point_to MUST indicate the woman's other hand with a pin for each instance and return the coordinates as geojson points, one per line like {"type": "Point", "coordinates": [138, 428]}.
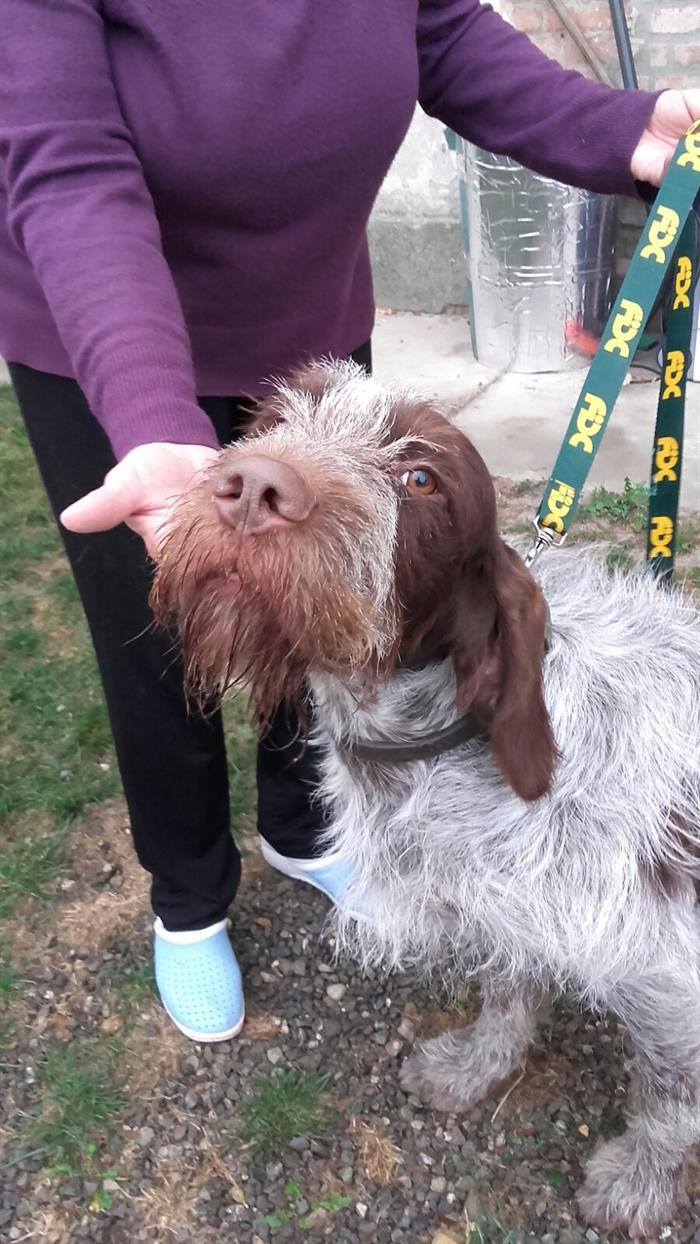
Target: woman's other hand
{"type": "Point", "coordinates": [140, 491]}
{"type": "Point", "coordinates": [674, 112]}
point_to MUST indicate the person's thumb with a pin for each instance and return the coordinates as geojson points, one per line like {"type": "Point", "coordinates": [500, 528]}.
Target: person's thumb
{"type": "Point", "coordinates": [113, 503]}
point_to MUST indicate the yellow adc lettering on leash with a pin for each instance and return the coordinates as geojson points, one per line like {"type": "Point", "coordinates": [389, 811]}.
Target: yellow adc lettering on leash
{"type": "Point", "coordinates": [673, 375]}
{"type": "Point", "coordinates": [559, 501]}
{"type": "Point", "coordinates": [660, 536]}
{"type": "Point", "coordinates": [662, 234]}
{"type": "Point", "coordinates": [666, 459]}
{"type": "Point", "coordinates": [691, 155]}
{"type": "Point", "coordinates": [667, 246]}
{"type": "Point", "coordinates": [626, 325]}
{"type": "Point", "coordinates": [684, 280]}
{"type": "Point", "coordinates": [589, 420]}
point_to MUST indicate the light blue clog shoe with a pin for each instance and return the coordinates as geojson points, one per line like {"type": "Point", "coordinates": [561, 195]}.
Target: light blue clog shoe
{"type": "Point", "coordinates": [329, 873]}
{"type": "Point", "coordinates": [199, 981]}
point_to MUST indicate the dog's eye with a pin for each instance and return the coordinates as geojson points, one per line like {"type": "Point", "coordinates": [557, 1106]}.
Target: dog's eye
{"type": "Point", "coordinates": [419, 482]}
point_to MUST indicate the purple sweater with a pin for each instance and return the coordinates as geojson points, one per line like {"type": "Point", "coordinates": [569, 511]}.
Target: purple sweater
{"type": "Point", "coordinates": [188, 183]}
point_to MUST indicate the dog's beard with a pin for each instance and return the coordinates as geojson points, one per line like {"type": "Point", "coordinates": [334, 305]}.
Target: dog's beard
{"type": "Point", "coordinates": [265, 611]}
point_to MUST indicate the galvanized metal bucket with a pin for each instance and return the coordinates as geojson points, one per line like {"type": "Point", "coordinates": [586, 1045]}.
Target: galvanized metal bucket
{"type": "Point", "coordinates": [540, 264]}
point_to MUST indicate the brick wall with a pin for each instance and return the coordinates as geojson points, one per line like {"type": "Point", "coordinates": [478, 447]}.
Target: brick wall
{"type": "Point", "coordinates": [665, 41]}
{"type": "Point", "coordinates": [662, 58]}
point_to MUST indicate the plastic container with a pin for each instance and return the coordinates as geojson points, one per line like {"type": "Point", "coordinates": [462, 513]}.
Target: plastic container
{"type": "Point", "coordinates": [540, 264]}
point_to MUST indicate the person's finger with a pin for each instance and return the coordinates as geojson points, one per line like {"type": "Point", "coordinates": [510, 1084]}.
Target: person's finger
{"type": "Point", "coordinates": [101, 509]}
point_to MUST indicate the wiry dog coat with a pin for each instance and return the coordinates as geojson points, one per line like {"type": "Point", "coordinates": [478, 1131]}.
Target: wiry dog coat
{"type": "Point", "coordinates": [349, 544]}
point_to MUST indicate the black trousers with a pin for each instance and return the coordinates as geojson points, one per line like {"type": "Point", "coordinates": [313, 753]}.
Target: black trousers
{"type": "Point", "coordinates": [172, 761]}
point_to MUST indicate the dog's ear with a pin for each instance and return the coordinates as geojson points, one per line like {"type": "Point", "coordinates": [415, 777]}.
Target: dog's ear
{"type": "Point", "coordinates": [498, 650]}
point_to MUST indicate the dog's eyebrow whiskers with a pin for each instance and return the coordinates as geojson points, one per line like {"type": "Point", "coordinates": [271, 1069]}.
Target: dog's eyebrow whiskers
{"type": "Point", "coordinates": [408, 444]}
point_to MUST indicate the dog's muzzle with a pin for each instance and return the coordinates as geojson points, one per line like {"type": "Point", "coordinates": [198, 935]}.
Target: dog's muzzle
{"type": "Point", "coordinates": [260, 493]}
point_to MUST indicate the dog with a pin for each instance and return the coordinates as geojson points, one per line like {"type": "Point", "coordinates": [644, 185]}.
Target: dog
{"type": "Point", "coordinates": [520, 797]}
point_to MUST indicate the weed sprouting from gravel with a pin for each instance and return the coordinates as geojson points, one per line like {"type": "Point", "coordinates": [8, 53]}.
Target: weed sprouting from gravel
{"type": "Point", "coordinates": [286, 1105]}
{"type": "Point", "coordinates": [80, 1097]}
{"type": "Point", "coordinates": [628, 506]}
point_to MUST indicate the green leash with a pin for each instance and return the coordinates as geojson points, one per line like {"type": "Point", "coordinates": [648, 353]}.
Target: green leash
{"type": "Point", "coordinates": [667, 455]}
{"type": "Point", "coordinates": [669, 231]}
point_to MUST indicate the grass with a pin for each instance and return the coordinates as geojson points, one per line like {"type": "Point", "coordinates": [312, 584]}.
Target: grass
{"type": "Point", "coordinates": [12, 984]}
{"type": "Point", "coordinates": [56, 755]}
{"type": "Point", "coordinates": [241, 747]}
{"type": "Point", "coordinates": [26, 529]}
{"type": "Point", "coordinates": [53, 726]}
{"type": "Point", "coordinates": [620, 558]}
{"type": "Point", "coordinates": [628, 506]}
{"type": "Point", "coordinates": [135, 993]}
{"type": "Point", "coordinates": [80, 1097]}
{"type": "Point", "coordinates": [332, 1203]}
{"type": "Point", "coordinates": [285, 1105]}
{"type": "Point", "coordinates": [688, 536]}
{"type": "Point", "coordinates": [11, 979]}
{"type": "Point", "coordinates": [488, 1231]}
{"type": "Point", "coordinates": [557, 1179]}
{"type": "Point", "coordinates": [28, 865]}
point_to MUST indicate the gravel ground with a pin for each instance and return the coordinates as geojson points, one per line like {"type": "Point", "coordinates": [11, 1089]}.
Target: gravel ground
{"type": "Point", "coordinates": [385, 1169]}
{"type": "Point", "coordinates": [173, 1157]}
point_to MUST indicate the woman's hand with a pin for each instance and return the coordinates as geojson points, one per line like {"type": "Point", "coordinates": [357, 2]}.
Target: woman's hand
{"type": "Point", "coordinates": [674, 112]}
{"type": "Point", "coordinates": [140, 491]}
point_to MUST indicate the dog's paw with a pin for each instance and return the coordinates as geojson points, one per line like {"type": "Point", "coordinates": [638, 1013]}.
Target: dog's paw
{"type": "Point", "coordinates": [618, 1195]}
{"type": "Point", "coordinates": [438, 1082]}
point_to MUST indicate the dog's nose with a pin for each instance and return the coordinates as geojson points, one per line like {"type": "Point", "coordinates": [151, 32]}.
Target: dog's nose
{"type": "Point", "coordinates": [260, 493]}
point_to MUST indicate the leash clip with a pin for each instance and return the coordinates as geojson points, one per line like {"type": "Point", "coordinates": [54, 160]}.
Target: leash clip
{"type": "Point", "coordinates": [544, 539]}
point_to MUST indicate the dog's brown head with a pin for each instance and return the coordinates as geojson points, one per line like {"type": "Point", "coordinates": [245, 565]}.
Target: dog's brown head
{"type": "Point", "coordinates": [353, 530]}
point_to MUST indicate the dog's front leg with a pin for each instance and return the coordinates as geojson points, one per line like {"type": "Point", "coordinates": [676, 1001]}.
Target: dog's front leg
{"type": "Point", "coordinates": [634, 1181]}
{"type": "Point", "coordinates": [456, 1070]}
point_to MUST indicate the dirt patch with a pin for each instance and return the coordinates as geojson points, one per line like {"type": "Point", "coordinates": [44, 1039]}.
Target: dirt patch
{"type": "Point", "coordinates": [50, 1226]}
{"type": "Point", "coordinates": [377, 1154]}
{"type": "Point", "coordinates": [156, 1048]}
{"type": "Point", "coordinates": [461, 1010]}
{"type": "Point", "coordinates": [538, 1083]}
{"type": "Point", "coordinates": [50, 564]}
{"type": "Point", "coordinates": [517, 502]}
{"type": "Point", "coordinates": [254, 863]}
{"type": "Point", "coordinates": [169, 1204]}
{"type": "Point", "coordinates": [110, 886]}
{"type": "Point", "coordinates": [262, 1027]}
{"type": "Point", "coordinates": [58, 638]}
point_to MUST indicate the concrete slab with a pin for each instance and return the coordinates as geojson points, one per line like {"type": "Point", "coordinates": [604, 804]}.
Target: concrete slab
{"type": "Point", "coordinates": [518, 422]}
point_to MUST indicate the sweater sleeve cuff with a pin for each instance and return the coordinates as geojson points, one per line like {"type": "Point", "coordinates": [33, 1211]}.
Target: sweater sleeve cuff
{"type": "Point", "coordinates": [179, 424]}
{"type": "Point", "coordinates": [140, 396]}
{"type": "Point", "coordinates": [632, 115]}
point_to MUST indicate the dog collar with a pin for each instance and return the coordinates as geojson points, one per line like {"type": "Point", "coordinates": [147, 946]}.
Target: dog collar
{"type": "Point", "coordinates": [436, 742]}
{"type": "Point", "coordinates": [429, 746]}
